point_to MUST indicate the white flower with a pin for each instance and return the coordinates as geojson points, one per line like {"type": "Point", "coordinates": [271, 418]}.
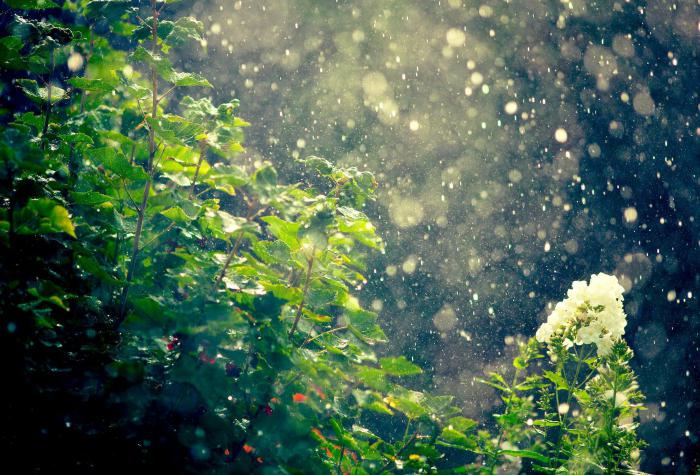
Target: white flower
{"type": "Point", "coordinates": [592, 313]}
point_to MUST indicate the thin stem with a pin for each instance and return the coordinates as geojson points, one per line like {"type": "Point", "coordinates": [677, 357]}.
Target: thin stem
{"type": "Point", "coordinates": [239, 240]}
{"type": "Point", "coordinates": [202, 152]}
{"type": "Point", "coordinates": [149, 169]}
{"type": "Point", "coordinates": [166, 93]}
{"type": "Point", "coordinates": [400, 451]}
{"type": "Point", "coordinates": [502, 431]}
{"type": "Point", "coordinates": [573, 386]}
{"type": "Point", "coordinates": [229, 258]}
{"type": "Point", "coordinates": [84, 93]}
{"type": "Point", "coordinates": [300, 308]}
{"type": "Point", "coordinates": [340, 459]}
{"type": "Point", "coordinates": [608, 426]}
{"type": "Point", "coordinates": [157, 236]}
{"type": "Point", "coordinates": [47, 114]}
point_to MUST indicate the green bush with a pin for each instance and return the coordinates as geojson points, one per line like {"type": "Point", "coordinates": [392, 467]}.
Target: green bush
{"type": "Point", "coordinates": [201, 309]}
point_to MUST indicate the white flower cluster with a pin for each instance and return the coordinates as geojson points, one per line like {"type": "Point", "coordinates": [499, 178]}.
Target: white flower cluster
{"type": "Point", "coordinates": [591, 314]}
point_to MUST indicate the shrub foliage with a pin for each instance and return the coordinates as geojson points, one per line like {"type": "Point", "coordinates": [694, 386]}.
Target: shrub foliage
{"type": "Point", "coordinates": [167, 304]}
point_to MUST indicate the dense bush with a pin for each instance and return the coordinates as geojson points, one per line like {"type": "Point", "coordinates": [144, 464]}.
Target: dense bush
{"type": "Point", "coordinates": [167, 304]}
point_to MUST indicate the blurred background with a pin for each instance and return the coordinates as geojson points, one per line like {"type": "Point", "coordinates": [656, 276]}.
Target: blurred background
{"type": "Point", "coordinates": [519, 145]}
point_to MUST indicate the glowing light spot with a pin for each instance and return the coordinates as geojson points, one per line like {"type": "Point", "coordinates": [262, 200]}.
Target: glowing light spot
{"type": "Point", "coordinates": [215, 29]}
{"type": "Point", "coordinates": [594, 150]}
{"type": "Point", "coordinates": [455, 37]}
{"type": "Point", "coordinates": [643, 103]}
{"type": "Point", "coordinates": [511, 107]}
{"type": "Point", "coordinates": [476, 78]}
{"type": "Point", "coordinates": [414, 125]}
{"type": "Point", "coordinates": [630, 214]}
{"type": "Point", "coordinates": [409, 265]}
{"type": "Point", "coordinates": [358, 36]}
{"type": "Point", "coordinates": [485, 11]}
{"type": "Point", "coordinates": [560, 135]}
{"type": "Point", "coordinates": [75, 62]}
{"type": "Point", "coordinates": [374, 84]}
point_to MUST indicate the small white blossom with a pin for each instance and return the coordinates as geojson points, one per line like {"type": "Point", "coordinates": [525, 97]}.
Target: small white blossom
{"type": "Point", "coordinates": [592, 313]}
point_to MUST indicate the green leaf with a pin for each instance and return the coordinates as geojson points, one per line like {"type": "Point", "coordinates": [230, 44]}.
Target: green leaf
{"type": "Point", "coordinates": [176, 214]}
{"type": "Point", "coordinates": [399, 366]}
{"type": "Point", "coordinates": [115, 161]}
{"type": "Point", "coordinates": [92, 85]}
{"type": "Point", "coordinates": [462, 424]}
{"type": "Point", "coordinates": [188, 79]}
{"type": "Point", "coordinates": [41, 94]}
{"type": "Point", "coordinates": [408, 402]}
{"type": "Point", "coordinates": [364, 325]}
{"type": "Point", "coordinates": [373, 377]}
{"type": "Point", "coordinates": [546, 423]}
{"type": "Point", "coordinates": [44, 216]}
{"type": "Point", "coordinates": [529, 454]}
{"type": "Point", "coordinates": [158, 62]}
{"type": "Point", "coordinates": [176, 130]}
{"type": "Point", "coordinates": [183, 30]}
{"type": "Point", "coordinates": [321, 165]}
{"type": "Point", "coordinates": [457, 438]}
{"type": "Point", "coordinates": [31, 4]}
{"type": "Point", "coordinates": [89, 198]}
{"type": "Point", "coordinates": [76, 138]}
{"type": "Point", "coordinates": [109, 9]}
{"type": "Point", "coordinates": [519, 363]}
{"type": "Point", "coordinates": [557, 379]}
{"type": "Point", "coordinates": [285, 231]}
{"type": "Point", "coordinates": [90, 265]}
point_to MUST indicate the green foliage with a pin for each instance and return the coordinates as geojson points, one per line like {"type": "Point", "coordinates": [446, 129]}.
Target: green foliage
{"type": "Point", "coordinates": [225, 288]}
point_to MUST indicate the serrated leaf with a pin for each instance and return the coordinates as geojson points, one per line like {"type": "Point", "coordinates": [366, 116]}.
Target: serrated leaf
{"type": "Point", "coordinates": [188, 79]}
{"type": "Point", "coordinates": [176, 130]}
{"type": "Point", "coordinates": [41, 94]}
{"type": "Point", "coordinates": [157, 61]}
{"type": "Point", "coordinates": [115, 161]}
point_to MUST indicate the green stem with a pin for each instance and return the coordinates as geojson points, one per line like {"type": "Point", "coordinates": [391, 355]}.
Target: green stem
{"type": "Point", "coordinates": [47, 114]}
{"type": "Point", "coordinates": [400, 451]}
{"type": "Point", "coordinates": [149, 169]}
{"type": "Point", "coordinates": [229, 258]}
{"type": "Point", "coordinates": [300, 309]}
{"type": "Point", "coordinates": [609, 426]}
{"type": "Point", "coordinates": [497, 452]}
{"type": "Point", "coordinates": [202, 151]}
{"type": "Point", "coordinates": [340, 460]}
